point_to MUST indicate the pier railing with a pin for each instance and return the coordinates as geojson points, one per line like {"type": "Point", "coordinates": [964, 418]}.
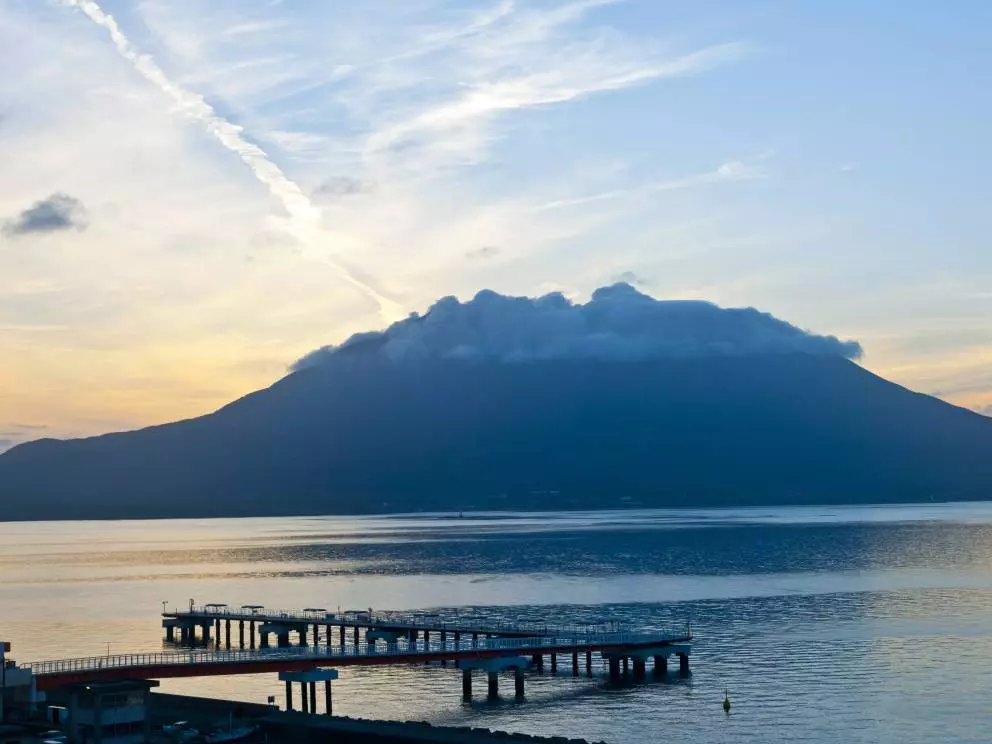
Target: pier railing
{"type": "Point", "coordinates": [397, 619]}
{"type": "Point", "coordinates": [352, 651]}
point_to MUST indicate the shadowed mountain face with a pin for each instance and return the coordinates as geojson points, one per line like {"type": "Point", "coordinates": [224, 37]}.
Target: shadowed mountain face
{"type": "Point", "coordinates": [360, 433]}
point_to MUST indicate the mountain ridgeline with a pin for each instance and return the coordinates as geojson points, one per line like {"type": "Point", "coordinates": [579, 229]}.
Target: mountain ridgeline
{"type": "Point", "coordinates": [359, 433]}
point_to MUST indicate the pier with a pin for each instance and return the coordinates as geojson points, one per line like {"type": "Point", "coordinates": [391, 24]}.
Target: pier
{"type": "Point", "coordinates": [327, 642]}
{"type": "Point", "coordinates": [256, 626]}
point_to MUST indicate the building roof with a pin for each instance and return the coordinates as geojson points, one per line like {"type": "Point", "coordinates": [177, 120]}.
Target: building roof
{"type": "Point", "coordinates": [117, 685]}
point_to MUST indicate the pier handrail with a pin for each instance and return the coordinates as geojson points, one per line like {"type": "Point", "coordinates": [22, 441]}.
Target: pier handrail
{"type": "Point", "coordinates": [319, 653]}
{"type": "Point", "coordinates": [397, 619]}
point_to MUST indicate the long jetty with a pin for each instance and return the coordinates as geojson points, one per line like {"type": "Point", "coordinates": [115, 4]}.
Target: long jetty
{"type": "Point", "coordinates": [307, 624]}
{"type": "Point", "coordinates": [326, 641]}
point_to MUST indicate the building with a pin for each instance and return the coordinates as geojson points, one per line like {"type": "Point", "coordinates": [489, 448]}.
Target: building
{"type": "Point", "coordinates": [109, 712]}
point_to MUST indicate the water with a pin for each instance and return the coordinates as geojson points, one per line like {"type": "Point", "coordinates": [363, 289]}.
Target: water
{"type": "Point", "coordinates": [841, 624]}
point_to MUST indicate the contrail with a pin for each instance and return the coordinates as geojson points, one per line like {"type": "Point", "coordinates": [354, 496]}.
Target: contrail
{"type": "Point", "coordinates": [303, 215]}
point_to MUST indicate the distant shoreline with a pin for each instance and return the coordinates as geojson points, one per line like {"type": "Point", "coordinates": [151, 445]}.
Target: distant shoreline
{"type": "Point", "coordinates": [498, 514]}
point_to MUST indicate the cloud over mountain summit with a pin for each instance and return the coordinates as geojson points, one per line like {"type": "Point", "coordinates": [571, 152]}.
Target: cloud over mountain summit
{"type": "Point", "coordinates": [618, 323]}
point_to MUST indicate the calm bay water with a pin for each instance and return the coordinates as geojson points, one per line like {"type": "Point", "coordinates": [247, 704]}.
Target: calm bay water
{"type": "Point", "coordinates": [839, 624]}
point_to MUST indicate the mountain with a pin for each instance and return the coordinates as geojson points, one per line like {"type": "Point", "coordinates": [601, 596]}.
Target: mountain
{"type": "Point", "coordinates": [366, 428]}
{"type": "Point", "coordinates": [360, 436]}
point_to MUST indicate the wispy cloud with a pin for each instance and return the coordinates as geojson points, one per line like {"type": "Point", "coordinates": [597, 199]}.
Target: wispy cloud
{"type": "Point", "coordinates": [570, 80]}
{"type": "Point", "coordinates": [303, 215]}
{"type": "Point", "coordinates": [732, 170]}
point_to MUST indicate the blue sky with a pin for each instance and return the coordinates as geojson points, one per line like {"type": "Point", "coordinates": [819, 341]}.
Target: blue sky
{"type": "Point", "coordinates": [243, 181]}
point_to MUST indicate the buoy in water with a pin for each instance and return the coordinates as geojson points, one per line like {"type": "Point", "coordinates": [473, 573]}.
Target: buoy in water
{"type": "Point", "coordinates": [726, 701]}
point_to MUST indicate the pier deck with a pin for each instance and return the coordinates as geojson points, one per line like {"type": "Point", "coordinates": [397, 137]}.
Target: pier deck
{"type": "Point", "coordinates": [212, 614]}
{"type": "Point", "coordinates": [206, 662]}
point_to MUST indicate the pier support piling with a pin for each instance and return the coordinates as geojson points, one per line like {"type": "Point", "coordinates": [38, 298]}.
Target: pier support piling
{"type": "Point", "coordinates": [328, 702]}
{"type": "Point", "coordinates": [306, 698]}
{"type": "Point", "coordinates": [241, 633]}
{"type": "Point", "coordinates": [313, 698]}
{"type": "Point", "coordinates": [493, 685]}
{"type": "Point", "coordinates": [626, 666]}
{"type": "Point", "coordinates": [575, 663]}
{"type": "Point", "coordinates": [660, 666]}
{"type": "Point", "coordinates": [588, 663]}
{"type": "Point", "coordinates": [342, 635]}
{"type": "Point", "coordinates": [614, 669]}
{"type": "Point", "coordinates": [289, 695]}
{"type": "Point", "coordinates": [518, 682]}
{"type": "Point", "coordinates": [684, 665]}
{"type": "Point", "coordinates": [467, 684]}
{"type": "Point", "coordinates": [227, 632]}
{"type": "Point", "coordinates": [639, 669]}
{"type": "Point", "coordinates": [554, 663]}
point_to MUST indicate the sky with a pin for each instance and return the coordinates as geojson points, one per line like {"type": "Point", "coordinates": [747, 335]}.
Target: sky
{"type": "Point", "coordinates": [193, 195]}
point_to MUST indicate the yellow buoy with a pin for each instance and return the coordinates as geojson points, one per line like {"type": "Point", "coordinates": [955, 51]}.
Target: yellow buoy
{"type": "Point", "coordinates": [726, 701]}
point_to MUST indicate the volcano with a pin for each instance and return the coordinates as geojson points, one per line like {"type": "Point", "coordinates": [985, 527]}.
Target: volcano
{"type": "Point", "coordinates": [518, 403]}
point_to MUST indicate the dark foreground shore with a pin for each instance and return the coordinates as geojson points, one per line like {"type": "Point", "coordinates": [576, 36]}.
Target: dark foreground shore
{"type": "Point", "coordinates": [277, 727]}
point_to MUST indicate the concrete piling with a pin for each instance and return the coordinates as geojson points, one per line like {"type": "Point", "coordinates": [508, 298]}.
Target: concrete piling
{"type": "Point", "coordinates": [660, 666]}
{"type": "Point", "coordinates": [614, 669]}
{"type": "Point", "coordinates": [518, 682]}
{"type": "Point", "coordinates": [639, 667]}
{"type": "Point", "coordinates": [467, 684]}
{"type": "Point", "coordinates": [493, 685]}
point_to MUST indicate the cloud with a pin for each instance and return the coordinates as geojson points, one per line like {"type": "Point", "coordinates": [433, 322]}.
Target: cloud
{"type": "Point", "coordinates": [486, 251]}
{"type": "Point", "coordinates": [732, 170]}
{"type": "Point", "coordinates": [303, 214]}
{"type": "Point", "coordinates": [561, 81]}
{"type": "Point", "coordinates": [617, 324]}
{"type": "Point", "coordinates": [985, 411]}
{"type": "Point", "coordinates": [56, 213]}
{"type": "Point", "coordinates": [629, 277]}
{"type": "Point", "coordinates": [344, 186]}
